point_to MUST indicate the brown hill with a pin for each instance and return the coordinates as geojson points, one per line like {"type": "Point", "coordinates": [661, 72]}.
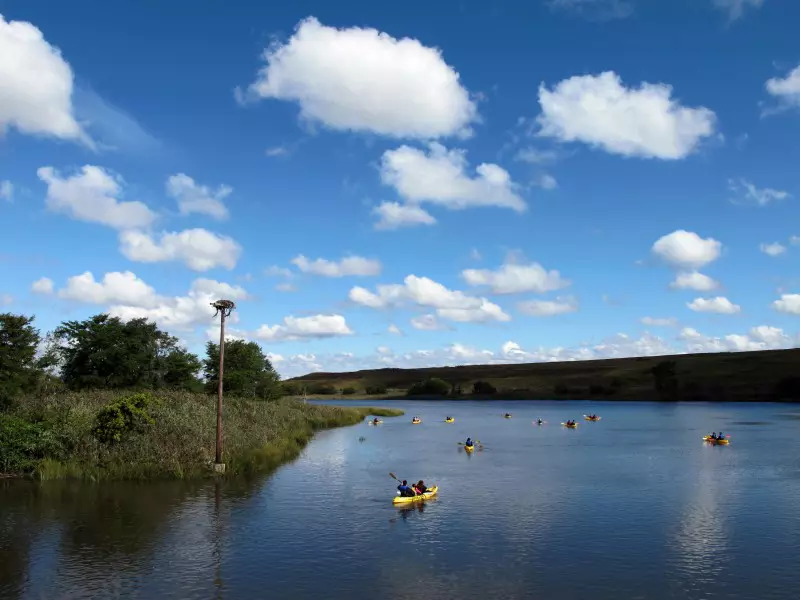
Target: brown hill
{"type": "Point", "coordinates": [770, 375]}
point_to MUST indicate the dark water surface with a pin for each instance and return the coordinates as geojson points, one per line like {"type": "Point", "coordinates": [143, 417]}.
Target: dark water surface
{"type": "Point", "coordinates": [635, 506]}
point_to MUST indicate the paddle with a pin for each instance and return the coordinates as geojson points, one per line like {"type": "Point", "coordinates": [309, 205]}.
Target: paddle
{"type": "Point", "coordinates": [462, 443]}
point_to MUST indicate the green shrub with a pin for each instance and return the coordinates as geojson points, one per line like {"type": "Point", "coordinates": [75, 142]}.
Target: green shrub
{"type": "Point", "coordinates": [430, 387]}
{"type": "Point", "coordinates": [118, 419]}
{"type": "Point", "coordinates": [23, 444]}
{"type": "Point", "coordinates": [323, 389]}
{"type": "Point", "coordinates": [483, 388]}
{"type": "Point", "coordinates": [348, 391]}
{"type": "Point", "coordinates": [374, 390]}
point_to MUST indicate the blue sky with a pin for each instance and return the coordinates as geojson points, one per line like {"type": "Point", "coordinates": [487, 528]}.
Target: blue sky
{"type": "Point", "coordinates": [409, 184]}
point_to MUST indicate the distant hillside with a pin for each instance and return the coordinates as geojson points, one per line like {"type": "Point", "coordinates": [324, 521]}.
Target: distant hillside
{"type": "Point", "coordinates": [770, 375]}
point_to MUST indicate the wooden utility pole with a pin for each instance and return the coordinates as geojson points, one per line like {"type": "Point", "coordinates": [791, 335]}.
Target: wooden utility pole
{"type": "Point", "coordinates": [224, 309]}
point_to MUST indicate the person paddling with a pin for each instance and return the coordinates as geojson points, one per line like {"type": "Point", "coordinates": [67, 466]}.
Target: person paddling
{"type": "Point", "coordinates": [420, 487]}
{"type": "Point", "coordinates": [469, 443]}
{"type": "Point", "coordinates": [539, 421]}
{"type": "Point", "coordinates": [405, 490]}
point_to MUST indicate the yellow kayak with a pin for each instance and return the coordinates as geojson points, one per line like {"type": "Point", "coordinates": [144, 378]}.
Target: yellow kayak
{"type": "Point", "coordinates": [375, 422]}
{"type": "Point", "coordinates": [573, 426]}
{"type": "Point", "coordinates": [507, 416]}
{"type": "Point", "coordinates": [449, 420]}
{"type": "Point", "coordinates": [588, 418]}
{"type": "Point", "coordinates": [722, 442]}
{"type": "Point", "coordinates": [469, 448]}
{"type": "Point", "coordinates": [408, 499]}
{"type": "Point", "coordinates": [416, 422]}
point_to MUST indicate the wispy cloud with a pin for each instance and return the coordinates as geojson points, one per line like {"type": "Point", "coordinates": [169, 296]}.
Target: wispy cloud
{"type": "Point", "coordinates": [112, 127]}
{"type": "Point", "coordinates": [596, 10]}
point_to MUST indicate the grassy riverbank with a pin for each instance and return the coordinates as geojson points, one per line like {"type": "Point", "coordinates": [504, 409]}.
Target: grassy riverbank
{"type": "Point", "coordinates": [55, 436]}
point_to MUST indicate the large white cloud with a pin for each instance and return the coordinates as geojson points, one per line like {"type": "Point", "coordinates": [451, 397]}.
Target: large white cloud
{"type": "Point", "coordinates": [348, 266]}
{"type": "Point", "coordinates": [303, 328]}
{"type": "Point", "coordinates": [687, 250]}
{"type": "Point", "coordinates": [451, 305]}
{"type": "Point", "coordinates": [440, 177]}
{"type": "Point", "coordinates": [125, 295]}
{"type": "Point", "coordinates": [393, 215]}
{"type": "Point", "coordinates": [360, 79]}
{"type": "Point", "coordinates": [115, 288]}
{"type": "Point", "coordinates": [600, 111]}
{"type": "Point", "coordinates": [786, 89]}
{"type": "Point", "coordinates": [198, 249]}
{"type": "Point", "coordinates": [195, 198]}
{"type": "Point", "coordinates": [93, 195]}
{"type": "Point", "coordinates": [516, 278]}
{"type": "Point", "coordinates": [694, 280]}
{"type": "Point", "coordinates": [719, 305]}
{"type": "Point", "coordinates": [36, 85]}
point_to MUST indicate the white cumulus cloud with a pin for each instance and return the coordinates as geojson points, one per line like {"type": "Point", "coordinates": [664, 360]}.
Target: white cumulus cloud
{"type": "Point", "coordinates": [694, 280]}
{"type": "Point", "coordinates": [93, 195]}
{"type": "Point", "coordinates": [686, 249]}
{"type": "Point", "coordinates": [514, 278]}
{"type": "Point", "coordinates": [719, 305]}
{"type": "Point", "coordinates": [303, 328]}
{"type": "Point", "coordinates": [426, 323]}
{"type": "Point", "coordinates": [600, 111]}
{"type": "Point", "coordinates": [393, 215]}
{"type": "Point", "coordinates": [195, 198]}
{"type": "Point", "coordinates": [37, 85]}
{"type": "Point", "coordinates": [440, 177]}
{"type": "Point", "coordinates": [788, 303]}
{"type": "Point", "coordinates": [348, 266]}
{"type": "Point", "coordinates": [360, 79]}
{"type": "Point", "coordinates": [42, 285]}
{"type": "Point", "coordinates": [773, 249]}
{"type": "Point", "coordinates": [786, 89]}
{"type": "Point", "coordinates": [452, 305]}
{"type": "Point", "coordinates": [198, 249]}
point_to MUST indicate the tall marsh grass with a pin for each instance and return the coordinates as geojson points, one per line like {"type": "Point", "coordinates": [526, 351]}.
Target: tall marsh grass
{"type": "Point", "coordinates": [180, 443]}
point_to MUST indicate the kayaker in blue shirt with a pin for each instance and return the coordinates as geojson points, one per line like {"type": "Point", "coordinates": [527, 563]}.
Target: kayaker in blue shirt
{"type": "Point", "coordinates": [405, 490]}
{"type": "Point", "coordinates": [469, 443]}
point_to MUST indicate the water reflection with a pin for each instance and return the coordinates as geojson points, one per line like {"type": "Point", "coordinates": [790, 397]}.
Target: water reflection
{"type": "Point", "coordinates": [605, 512]}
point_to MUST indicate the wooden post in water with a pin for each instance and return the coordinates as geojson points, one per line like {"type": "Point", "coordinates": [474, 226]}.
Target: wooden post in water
{"type": "Point", "coordinates": [224, 309]}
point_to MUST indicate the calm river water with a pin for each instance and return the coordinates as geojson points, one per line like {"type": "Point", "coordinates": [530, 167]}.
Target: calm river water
{"type": "Point", "coordinates": [632, 507]}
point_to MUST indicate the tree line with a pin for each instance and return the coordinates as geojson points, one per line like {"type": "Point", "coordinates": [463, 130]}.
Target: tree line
{"type": "Point", "coordinates": [104, 352]}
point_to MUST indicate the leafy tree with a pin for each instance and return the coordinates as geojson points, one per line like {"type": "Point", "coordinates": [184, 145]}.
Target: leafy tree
{"type": "Point", "coordinates": [248, 372]}
{"type": "Point", "coordinates": [323, 389]}
{"type": "Point", "coordinates": [106, 352]}
{"type": "Point", "coordinates": [483, 388]}
{"type": "Point", "coordinates": [19, 368]}
{"type": "Point", "coordinates": [665, 379]}
{"type": "Point", "coordinates": [349, 391]}
{"type": "Point", "coordinates": [374, 390]}
{"type": "Point", "coordinates": [430, 387]}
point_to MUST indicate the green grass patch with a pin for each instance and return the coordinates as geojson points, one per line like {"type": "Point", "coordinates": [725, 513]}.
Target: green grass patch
{"type": "Point", "coordinates": [99, 436]}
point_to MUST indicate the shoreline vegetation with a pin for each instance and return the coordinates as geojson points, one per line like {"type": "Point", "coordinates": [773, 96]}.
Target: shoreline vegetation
{"type": "Point", "coordinates": [169, 435]}
{"type": "Point", "coordinates": [761, 376]}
